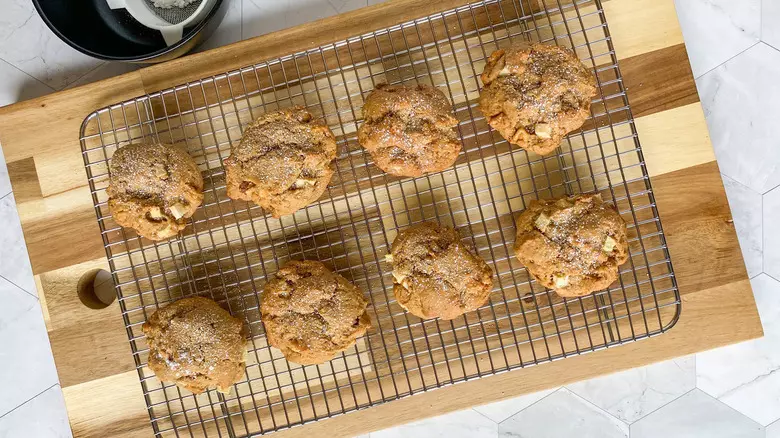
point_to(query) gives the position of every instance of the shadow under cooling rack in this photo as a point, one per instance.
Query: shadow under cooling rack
(230, 247)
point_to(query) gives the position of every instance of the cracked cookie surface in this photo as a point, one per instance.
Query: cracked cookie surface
(535, 94)
(153, 188)
(283, 162)
(311, 313)
(196, 344)
(435, 275)
(409, 130)
(573, 245)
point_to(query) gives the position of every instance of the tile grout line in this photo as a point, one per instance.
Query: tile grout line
(532, 404)
(483, 415)
(771, 190)
(665, 404)
(724, 62)
(101, 64)
(770, 45)
(28, 400)
(19, 287)
(29, 75)
(521, 410)
(768, 275)
(748, 417)
(609, 414)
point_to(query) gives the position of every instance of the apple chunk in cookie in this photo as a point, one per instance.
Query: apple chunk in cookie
(573, 245)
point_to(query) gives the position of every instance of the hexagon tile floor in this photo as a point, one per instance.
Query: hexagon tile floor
(729, 392)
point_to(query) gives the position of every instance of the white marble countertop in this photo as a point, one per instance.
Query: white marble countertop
(728, 392)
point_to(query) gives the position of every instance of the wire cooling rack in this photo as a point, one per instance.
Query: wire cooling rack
(230, 248)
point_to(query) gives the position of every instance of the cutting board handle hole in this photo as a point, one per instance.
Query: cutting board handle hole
(96, 289)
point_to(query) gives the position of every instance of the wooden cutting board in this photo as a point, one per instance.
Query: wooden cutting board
(102, 394)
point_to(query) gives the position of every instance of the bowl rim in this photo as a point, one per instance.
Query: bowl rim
(192, 33)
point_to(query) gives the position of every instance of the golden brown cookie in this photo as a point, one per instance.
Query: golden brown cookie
(196, 344)
(573, 245)
(283, 163)
(153, 188)
(535, 94)
(409, 131)
(435, 275)
(311, 314)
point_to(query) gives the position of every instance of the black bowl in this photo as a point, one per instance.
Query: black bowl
(92, 28)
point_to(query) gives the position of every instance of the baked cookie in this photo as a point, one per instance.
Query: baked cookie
(311, 314)
(572, 245)
(409, 131)
(435, 275)
(196, 344)
(153, 188)
(283, 163)
(535, 94)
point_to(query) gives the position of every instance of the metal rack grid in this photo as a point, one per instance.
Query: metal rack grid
(231, 247)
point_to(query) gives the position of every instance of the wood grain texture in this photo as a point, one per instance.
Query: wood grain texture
(107, 407)
(702, 323)
(24, 179)
(702, 249)
(684, 141)
(653, 77)
(96, 369)
(94, 338)
(658, 28)
(659, 80)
